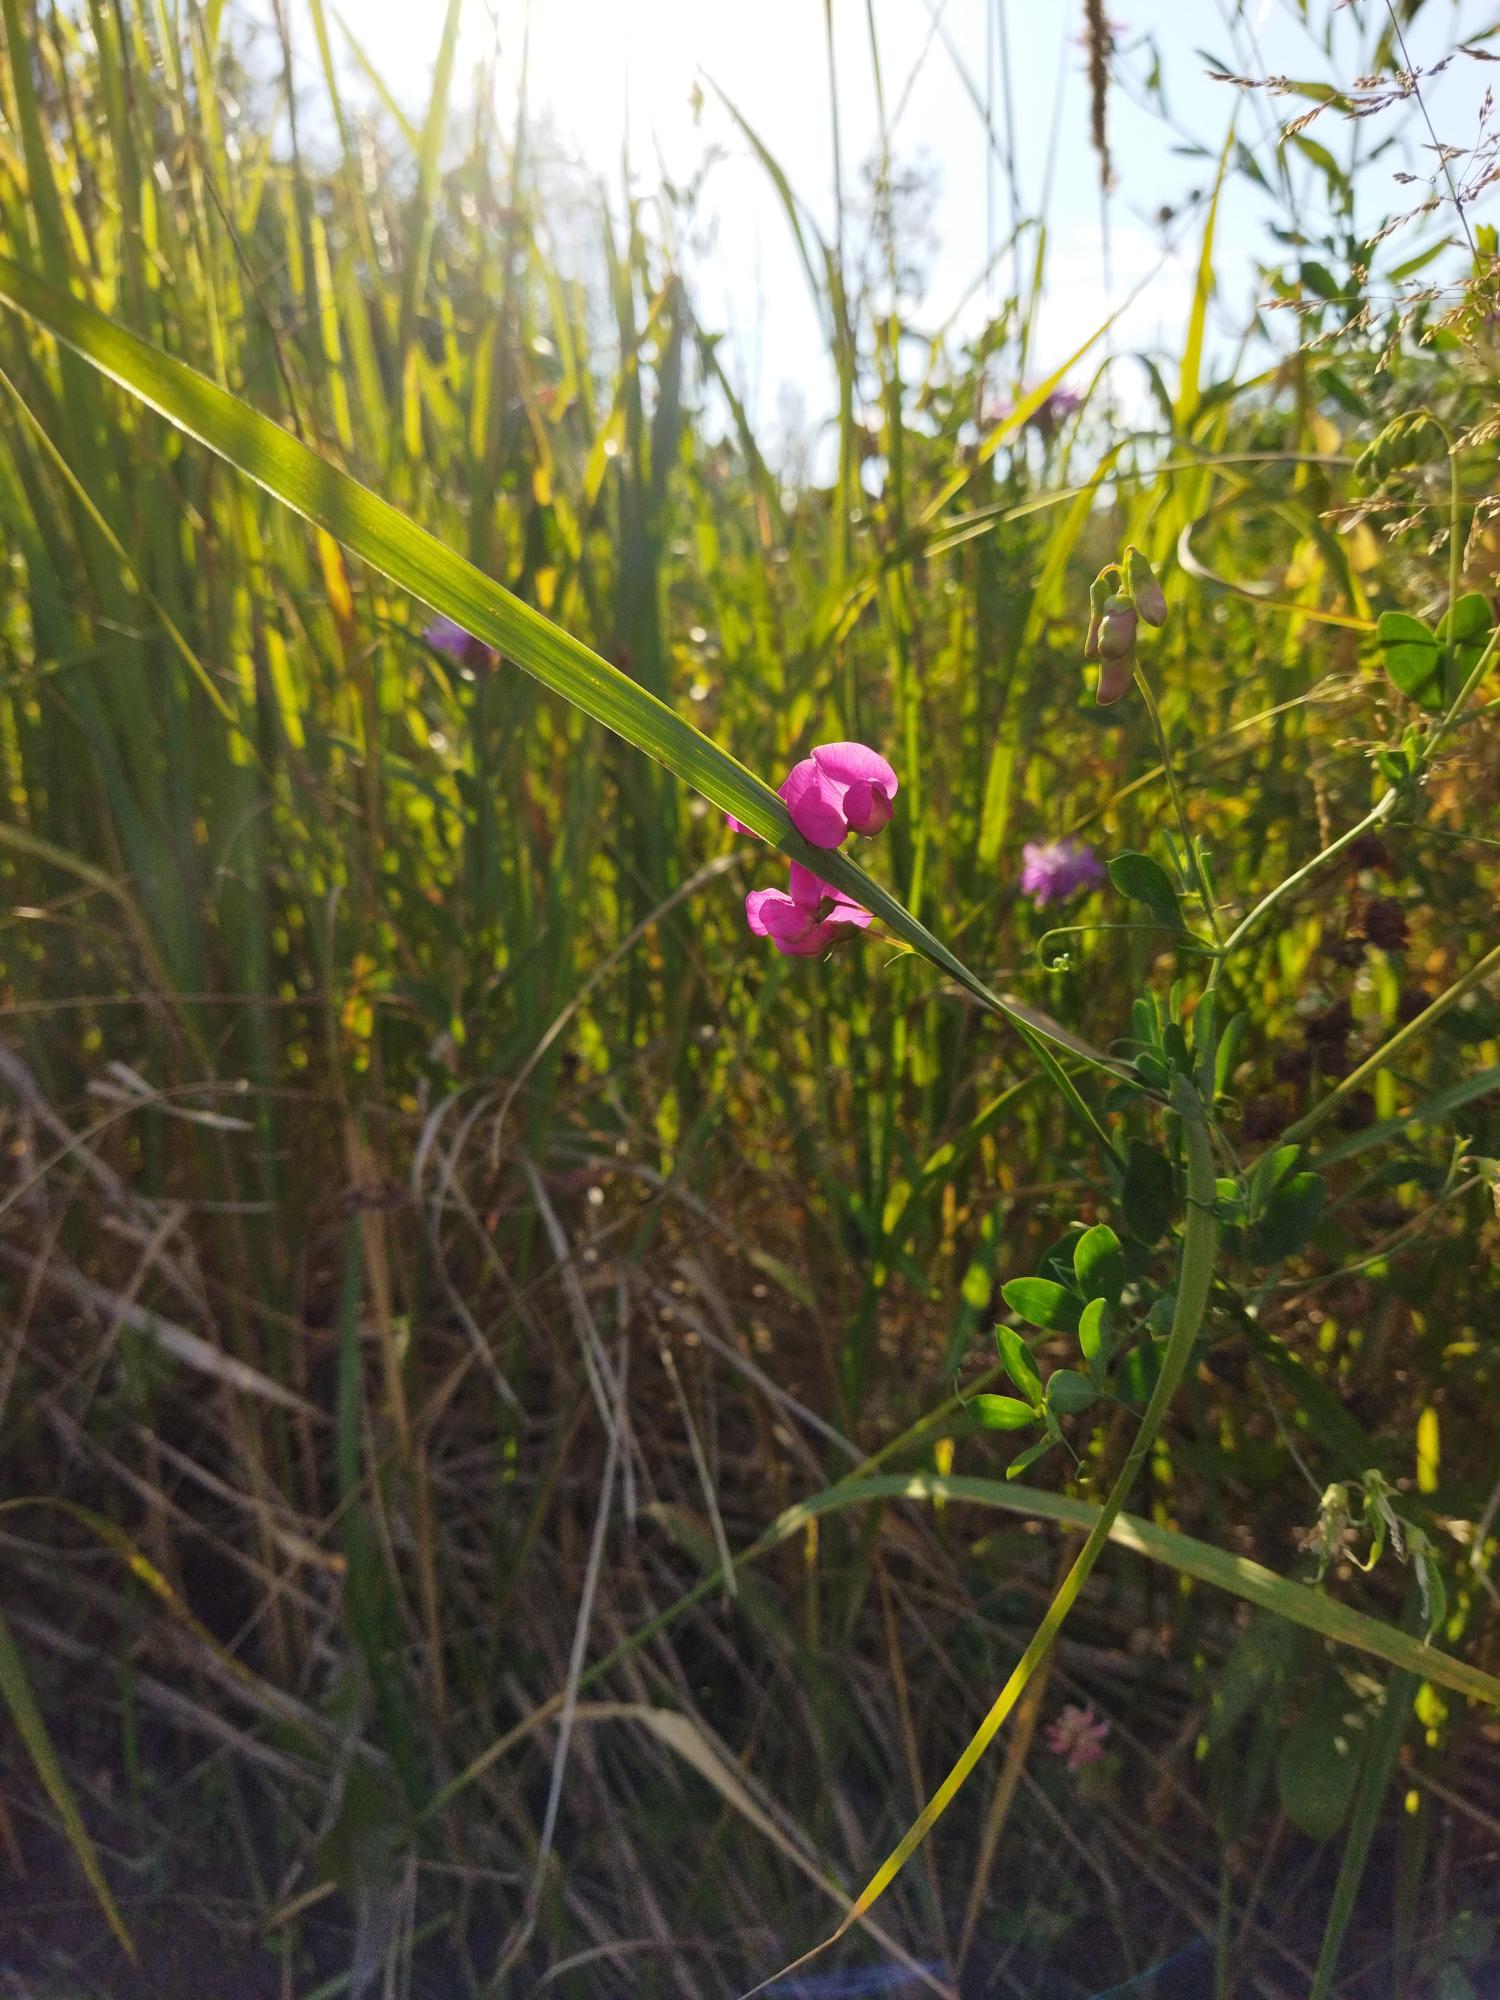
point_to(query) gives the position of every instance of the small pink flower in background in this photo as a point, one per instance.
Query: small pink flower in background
(446, 635)
(1058, 407)
(806, 917)
(1052, 873)
(1048, 414)
(1077, 1735)
(841, 788)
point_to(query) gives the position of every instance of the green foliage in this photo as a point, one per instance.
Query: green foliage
(391, 1082)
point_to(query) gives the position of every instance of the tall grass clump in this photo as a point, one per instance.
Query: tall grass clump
(502, 1366)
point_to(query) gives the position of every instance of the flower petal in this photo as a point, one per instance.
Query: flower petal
(856, 764)
(867, 807)
(808, 889)
(446, 635)
(815, 802)
(772, 913)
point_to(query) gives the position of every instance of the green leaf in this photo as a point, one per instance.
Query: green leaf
(1155, 1072)
(1137, 1374)
(1289, 1216)
(1144, 1021)
(1094, 1337)
(1471, 624)
(1042, 1303)
(1068, 1392)
(1147, 1195)
(1019, 1365)
(1146, 881)
(1268, 1173)
(1412, 657)
(1099, 1264)
(1027, 1458)
(1002, 1413)
(1317, 1765)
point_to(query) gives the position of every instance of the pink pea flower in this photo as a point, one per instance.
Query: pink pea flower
(841, 788)
(806, 917)
(1077, 1735)
(1052, 873)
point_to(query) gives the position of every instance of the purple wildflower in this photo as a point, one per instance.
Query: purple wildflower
(1052, 411)
(1059, 406)
(446, 635)
(1052, 873)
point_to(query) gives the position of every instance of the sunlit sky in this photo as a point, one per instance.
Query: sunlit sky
(618, 76)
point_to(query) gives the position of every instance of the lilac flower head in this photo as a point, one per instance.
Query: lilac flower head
(841, 788)
(446, 635)
(1078, 1735)
(1052, 873)
(1048, 414)
(806, 917)
(1058, 407)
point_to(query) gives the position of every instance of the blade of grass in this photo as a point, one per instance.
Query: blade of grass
(27, 1717)
(408, 555)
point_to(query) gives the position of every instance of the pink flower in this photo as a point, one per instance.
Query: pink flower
(841, 788)
(1078, 1735)
(806, 917)
(1052, 873)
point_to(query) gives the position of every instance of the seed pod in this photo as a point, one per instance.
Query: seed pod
(1140, 580)
(1099, 591)
(1117, 629)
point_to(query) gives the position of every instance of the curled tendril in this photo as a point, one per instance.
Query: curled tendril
(1190, 940)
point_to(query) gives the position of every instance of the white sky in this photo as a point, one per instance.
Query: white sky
(598, 63)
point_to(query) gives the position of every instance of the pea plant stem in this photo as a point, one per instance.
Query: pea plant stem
(1194, 1276)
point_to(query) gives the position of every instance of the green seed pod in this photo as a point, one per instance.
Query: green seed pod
(1099, 591)
(1140, 581)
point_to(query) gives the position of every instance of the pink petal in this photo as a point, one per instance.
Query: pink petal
(815, 803)
(856, 764)
(812, 944)
(808, 889)
(867, 807)
(772, 913)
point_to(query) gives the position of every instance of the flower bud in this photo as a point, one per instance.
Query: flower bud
(1140, 581)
